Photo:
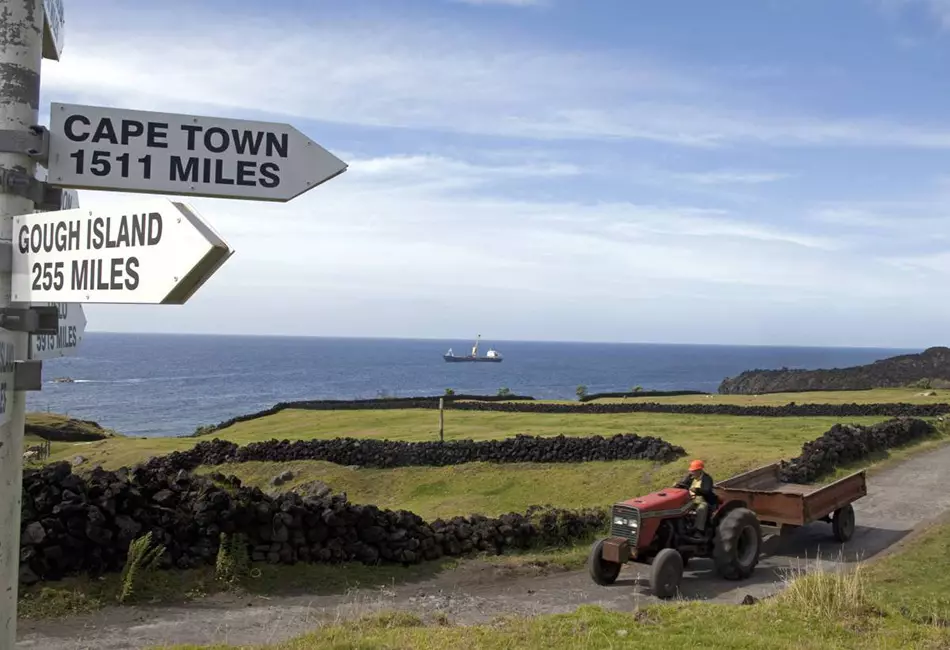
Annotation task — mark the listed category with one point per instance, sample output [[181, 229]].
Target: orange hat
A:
[[695, 465]]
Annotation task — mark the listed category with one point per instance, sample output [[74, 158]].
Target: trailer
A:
[[787, 506]]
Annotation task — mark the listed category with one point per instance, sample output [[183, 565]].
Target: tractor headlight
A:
[[620, 521]]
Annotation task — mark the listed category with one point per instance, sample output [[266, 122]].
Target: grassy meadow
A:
[[728, 444]]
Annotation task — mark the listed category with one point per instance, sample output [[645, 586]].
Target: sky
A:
[[743, 172]]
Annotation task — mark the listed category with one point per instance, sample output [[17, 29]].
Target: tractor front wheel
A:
[[738, 544], [666, 573], [603, 572]]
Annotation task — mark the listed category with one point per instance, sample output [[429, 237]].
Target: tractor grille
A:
[[625, 522]]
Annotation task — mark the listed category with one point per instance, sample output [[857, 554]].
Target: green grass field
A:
[[729, 444], [899, 601]]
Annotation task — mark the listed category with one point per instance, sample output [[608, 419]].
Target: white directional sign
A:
[[72, 326], [53, 21], [152, 251], [186, 155]]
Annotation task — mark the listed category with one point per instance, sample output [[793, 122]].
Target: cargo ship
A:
[[491, 356]]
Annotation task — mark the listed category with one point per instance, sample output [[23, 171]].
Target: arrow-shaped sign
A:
[[185, 155], [152, 251]]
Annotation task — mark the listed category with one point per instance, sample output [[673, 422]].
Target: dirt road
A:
[[899, 499]]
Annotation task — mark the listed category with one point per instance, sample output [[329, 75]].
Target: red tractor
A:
[[657, 529]]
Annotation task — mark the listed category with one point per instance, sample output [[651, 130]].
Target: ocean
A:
[[167, 385]]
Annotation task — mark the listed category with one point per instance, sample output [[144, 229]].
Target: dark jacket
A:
[[705, 488]]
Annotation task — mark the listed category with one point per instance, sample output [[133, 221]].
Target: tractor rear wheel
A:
[[603, 572], [738, 544], [842, 523], [666, 573]]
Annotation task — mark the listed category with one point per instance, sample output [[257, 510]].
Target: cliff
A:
[[933, 365]]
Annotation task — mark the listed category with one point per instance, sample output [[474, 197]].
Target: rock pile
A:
[[73, 524], [847, 443], [370, 452], [640, 393]]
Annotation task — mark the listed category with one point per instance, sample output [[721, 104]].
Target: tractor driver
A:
[[700, 485]]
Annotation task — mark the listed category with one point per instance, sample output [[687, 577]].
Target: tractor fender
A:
[[726, 508]]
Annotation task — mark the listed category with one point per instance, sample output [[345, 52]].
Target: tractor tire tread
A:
[[727, 534]]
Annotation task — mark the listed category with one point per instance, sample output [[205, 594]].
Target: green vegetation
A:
[[82, 595], [140, 566], [728, 444], [896, 602]]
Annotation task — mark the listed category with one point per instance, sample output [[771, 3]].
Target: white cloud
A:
[[729, 177], [425, 76], [378, 230]]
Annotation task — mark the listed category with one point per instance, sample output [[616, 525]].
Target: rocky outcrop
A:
[[74, 524], [849, 443], [370, 452], [56, 428], [905, 370]]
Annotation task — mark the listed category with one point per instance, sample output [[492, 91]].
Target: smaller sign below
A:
[[151, 251], [7, 367], [68, 199], [65, 343], [53, 21]]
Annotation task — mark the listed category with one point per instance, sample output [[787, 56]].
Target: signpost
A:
[[149, 251], [152, 251], [65, 343], [186, 155]]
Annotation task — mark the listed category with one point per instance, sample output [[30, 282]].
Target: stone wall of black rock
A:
[[847, 443], [791, 409], [369, 452], [75, 524], [640, 393], [360, 404]]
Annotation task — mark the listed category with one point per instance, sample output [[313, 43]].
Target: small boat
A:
[[64, 380], [493, 356]]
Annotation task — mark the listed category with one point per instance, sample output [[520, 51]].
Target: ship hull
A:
[[453, 359]]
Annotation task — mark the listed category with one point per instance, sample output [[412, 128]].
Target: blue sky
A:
[[755, 171]]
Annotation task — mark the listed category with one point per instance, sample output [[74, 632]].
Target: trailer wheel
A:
[[842, 524], [603, 572], [666, 573], [738, 544]]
